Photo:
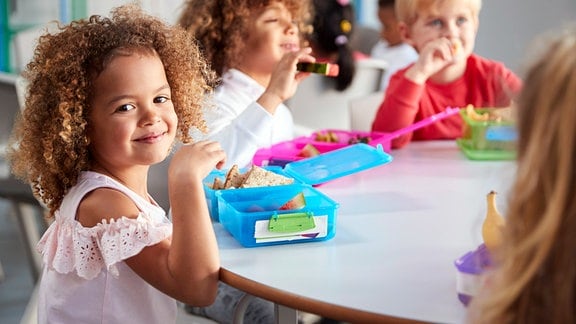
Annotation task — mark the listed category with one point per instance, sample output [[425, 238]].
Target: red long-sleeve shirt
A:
[[485, 83]]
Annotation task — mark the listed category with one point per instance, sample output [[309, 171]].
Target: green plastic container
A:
[[487, 140]]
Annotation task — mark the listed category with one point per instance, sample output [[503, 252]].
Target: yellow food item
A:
[[456, 47], [503, 114], [474, 115], [327, 136], [493, 225], [309, 151]]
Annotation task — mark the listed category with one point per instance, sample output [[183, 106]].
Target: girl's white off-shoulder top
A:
[[85, 278]]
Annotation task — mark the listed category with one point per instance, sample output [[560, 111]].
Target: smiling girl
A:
[[97, 115], [254, 46]]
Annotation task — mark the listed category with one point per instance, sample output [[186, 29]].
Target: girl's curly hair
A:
[[49, 144], [221, 26]]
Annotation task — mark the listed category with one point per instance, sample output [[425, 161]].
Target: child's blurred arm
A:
[[399, 107], [512, 85]]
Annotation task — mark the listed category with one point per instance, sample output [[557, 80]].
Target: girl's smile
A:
[[133, 121], [151, 138]]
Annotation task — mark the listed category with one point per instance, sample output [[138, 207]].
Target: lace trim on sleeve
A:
[[68, 246]]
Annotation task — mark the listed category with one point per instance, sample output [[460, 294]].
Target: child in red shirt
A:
[[446, 74]]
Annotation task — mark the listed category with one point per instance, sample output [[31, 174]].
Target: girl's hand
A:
[[433, 57], [188, 261], [285, 79], [194, 162]]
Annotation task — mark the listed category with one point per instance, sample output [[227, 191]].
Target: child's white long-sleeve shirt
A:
[[240, 124]]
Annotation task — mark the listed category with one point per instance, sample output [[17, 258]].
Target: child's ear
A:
[[405, 33]]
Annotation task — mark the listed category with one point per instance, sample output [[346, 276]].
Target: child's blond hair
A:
[[50, 145], [535, 278], [407, 10]]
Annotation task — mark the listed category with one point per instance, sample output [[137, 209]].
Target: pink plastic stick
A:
[[449, 111]]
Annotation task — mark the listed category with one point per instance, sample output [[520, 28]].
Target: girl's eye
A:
[[125, 107], [160, 99], [461, 21]]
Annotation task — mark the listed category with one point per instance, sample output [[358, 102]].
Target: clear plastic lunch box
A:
[[240, 210]]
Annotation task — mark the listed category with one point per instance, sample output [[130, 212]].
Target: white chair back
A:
[[363, 110], [9, 110], [21, 85], [364, 38], [316, 105]]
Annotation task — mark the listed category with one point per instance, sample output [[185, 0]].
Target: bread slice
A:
[[234, 178], [217, 184], [259, 177]]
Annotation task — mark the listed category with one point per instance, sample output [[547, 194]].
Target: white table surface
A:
[[399, 229]]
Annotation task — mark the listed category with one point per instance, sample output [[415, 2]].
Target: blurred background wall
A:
[[506, 26]]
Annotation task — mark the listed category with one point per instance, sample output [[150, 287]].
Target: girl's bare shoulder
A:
[[105, 203]]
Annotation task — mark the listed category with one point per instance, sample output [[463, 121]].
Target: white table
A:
[[399, 229]]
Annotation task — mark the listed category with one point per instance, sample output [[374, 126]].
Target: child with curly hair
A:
[[534, 277], [107, 98], [254, 46], [446, 74]]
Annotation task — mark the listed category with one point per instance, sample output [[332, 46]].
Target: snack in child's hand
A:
[[328, 69], [456, 47]]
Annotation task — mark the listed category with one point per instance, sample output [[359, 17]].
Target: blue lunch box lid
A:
[[338, 163]]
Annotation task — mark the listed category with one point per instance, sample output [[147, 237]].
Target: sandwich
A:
[[254, 177]]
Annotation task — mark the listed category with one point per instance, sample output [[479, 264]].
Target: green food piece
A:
[[321, 68]]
